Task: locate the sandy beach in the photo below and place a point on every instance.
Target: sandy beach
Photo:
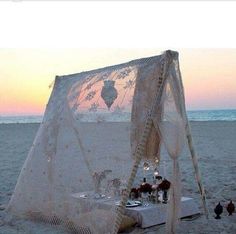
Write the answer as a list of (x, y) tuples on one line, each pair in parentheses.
[(215, 144)]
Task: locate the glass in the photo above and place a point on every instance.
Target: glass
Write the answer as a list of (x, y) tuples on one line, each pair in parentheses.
[(145, 199)]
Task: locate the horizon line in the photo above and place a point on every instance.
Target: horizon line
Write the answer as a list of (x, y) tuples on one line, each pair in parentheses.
[(42, 114)]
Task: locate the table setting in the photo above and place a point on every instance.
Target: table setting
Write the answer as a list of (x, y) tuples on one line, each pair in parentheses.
[(147, 203)]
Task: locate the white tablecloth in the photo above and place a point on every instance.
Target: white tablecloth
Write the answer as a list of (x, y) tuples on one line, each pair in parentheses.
[(153, 214), (147, 216)]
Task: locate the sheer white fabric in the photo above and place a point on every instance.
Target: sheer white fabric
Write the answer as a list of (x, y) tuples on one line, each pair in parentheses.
[(82, 155), (172, 129)]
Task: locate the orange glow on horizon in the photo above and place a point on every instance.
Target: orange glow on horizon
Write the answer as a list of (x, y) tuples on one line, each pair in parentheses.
[(209, 75)]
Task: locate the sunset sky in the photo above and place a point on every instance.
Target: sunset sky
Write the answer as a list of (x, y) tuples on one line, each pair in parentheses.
[(209, 75)]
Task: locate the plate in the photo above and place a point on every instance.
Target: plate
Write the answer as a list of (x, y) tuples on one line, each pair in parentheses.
[(131, 204), (138, 202)]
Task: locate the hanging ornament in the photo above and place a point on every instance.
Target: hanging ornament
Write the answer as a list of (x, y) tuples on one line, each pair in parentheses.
[(146, 166), (157, 160), (156, 172), (109, 92)]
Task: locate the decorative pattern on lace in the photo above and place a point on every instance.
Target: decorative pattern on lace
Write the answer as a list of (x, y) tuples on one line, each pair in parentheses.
[(105, 96)]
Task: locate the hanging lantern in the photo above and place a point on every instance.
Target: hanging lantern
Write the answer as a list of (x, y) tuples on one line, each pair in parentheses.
[(156, 172), (157, 160), (109, 92), (146, 166)]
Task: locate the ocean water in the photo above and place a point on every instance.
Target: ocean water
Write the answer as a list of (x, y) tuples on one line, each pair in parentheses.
[(212, 115), (21, 119), (196, 115)]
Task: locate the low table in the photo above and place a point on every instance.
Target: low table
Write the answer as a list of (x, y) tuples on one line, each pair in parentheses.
[(154, 214), (146, 216)]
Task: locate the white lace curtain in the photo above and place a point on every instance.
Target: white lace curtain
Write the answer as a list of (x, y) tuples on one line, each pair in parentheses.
[(83, 145)]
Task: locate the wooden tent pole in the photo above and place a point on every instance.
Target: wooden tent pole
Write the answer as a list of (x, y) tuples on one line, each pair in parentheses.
[(196, 168), (191, 146), (141, 146)]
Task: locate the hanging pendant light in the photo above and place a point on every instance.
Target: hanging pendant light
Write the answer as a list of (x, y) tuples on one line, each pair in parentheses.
[(146, 166), (156, 172), (109, 92)]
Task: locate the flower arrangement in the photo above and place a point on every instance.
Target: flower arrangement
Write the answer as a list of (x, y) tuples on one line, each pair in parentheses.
[(98, 177), (134, 192), (164, 185), (145, 188), (155, 187)]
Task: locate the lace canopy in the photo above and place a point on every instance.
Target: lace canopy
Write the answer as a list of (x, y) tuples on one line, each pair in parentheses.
[(97, 127)]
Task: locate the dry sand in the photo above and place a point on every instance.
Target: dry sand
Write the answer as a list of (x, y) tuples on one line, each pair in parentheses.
[(216, 147)]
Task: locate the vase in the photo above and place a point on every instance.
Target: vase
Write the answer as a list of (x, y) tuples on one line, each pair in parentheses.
[(97, 188), (158, 199), (145, 197)]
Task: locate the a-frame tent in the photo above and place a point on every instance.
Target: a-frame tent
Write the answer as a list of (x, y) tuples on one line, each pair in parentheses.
[(79, 148)]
